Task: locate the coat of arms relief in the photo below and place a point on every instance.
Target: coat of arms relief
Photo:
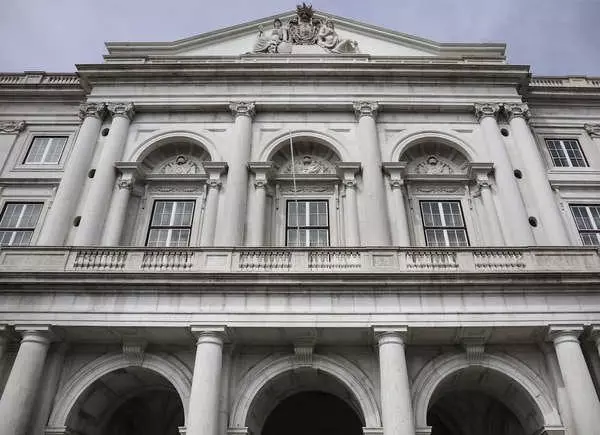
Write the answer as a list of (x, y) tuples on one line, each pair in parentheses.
[(303, 29)]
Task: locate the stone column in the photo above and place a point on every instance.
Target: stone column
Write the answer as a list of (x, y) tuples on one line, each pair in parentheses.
[(48, 389), (231, 229), (117, 212), (257, 209), (376, 232), (203, 417), (211, 205), (514, 214), (585, 406), (479, 172), (347, 172), (562, 400), (396, 408), (535, 172), (400, 229), (3, 346), (20, 393), (60, 216), (96, 204)]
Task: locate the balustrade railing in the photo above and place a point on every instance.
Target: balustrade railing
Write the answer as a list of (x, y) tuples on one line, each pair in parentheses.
[(292, 260)]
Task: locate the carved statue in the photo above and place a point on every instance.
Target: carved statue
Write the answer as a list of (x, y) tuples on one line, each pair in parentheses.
[(273, 41), (180, 166), (330, 40), (303, 28)]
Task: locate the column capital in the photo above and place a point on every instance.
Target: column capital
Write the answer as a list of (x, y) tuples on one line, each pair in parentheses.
[(125, 110), (395, 171), (563, 333), (592, 129), (241, 108), (347, 172), (96, 110), (365, 108), (42, 334), (12, 127), (517, 110), (214, 171), (483, 110), (209, 334), (391, 334)]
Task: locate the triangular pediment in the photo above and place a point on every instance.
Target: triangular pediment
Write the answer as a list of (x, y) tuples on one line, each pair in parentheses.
[(348, 37)]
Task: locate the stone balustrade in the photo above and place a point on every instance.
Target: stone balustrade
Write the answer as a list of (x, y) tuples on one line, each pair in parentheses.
[(293, 260), (567, 82), (38, 78)]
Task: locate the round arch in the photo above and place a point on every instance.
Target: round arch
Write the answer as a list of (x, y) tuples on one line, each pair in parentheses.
[(163, 137), (349, 375), (281, 140), (435, 136), (170, 368), (432, 375)]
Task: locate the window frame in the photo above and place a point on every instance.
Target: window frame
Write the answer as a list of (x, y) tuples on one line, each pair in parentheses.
[(444, 228), (561, 141), (288, 201), (32, 141), (580, 232), (190, 227), (16, 230), (22, 146)]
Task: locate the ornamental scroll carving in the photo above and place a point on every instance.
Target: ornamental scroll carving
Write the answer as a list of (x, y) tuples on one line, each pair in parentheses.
[(592, 129), (307, 188), (308, 165), (180, 165), (429, 188), (433, 165), (303, 29), (12, 127)]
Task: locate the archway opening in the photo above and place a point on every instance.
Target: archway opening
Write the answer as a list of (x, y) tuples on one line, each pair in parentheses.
[(313, 412), (304, 401), (129, 401), (480, 401)]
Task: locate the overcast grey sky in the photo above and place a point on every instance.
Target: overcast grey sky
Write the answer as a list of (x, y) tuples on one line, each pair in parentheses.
[(555, 37)]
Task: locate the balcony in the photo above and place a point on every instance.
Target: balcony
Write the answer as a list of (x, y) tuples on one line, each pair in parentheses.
[(132, 260)]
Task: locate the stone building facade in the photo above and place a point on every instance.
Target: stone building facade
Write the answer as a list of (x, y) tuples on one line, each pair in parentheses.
[(319, 226)]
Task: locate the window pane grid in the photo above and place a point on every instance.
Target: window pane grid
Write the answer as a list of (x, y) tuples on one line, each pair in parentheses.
[(171, 224), (566, 153), (45, 150), (18, 222), (443, 223), (307, 223), (587, 220)]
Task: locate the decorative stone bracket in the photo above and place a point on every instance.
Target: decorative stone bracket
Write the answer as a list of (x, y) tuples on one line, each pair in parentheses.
[(473, 341), (214, 170), (347, 172), (262, 171), (303, 350), (133, 349), (396, 172)]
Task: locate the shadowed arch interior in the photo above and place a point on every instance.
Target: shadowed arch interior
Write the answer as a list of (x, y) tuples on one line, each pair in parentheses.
[(128, 401), (293, 382), (482, 401)]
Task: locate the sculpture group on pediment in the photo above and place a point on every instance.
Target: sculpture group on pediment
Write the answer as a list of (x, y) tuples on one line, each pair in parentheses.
[(180, 165), (309, 165), (303, 29)]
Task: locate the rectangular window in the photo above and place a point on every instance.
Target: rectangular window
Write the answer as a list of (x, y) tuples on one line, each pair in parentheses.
[(171, 224), (307, 223), (587, 219), (566, 153), (443, 223), (18, 222), (45, 150)]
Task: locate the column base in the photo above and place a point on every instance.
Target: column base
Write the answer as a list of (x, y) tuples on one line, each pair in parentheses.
[(372, 431), (237, 431), (423, 430)]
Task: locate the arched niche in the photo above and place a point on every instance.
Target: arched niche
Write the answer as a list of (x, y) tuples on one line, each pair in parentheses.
[(282, 141), (469, 152), (169, 374), (434, 158), (277, 378), (176, 158), (181, 138), (496, 376), (310, 158)]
